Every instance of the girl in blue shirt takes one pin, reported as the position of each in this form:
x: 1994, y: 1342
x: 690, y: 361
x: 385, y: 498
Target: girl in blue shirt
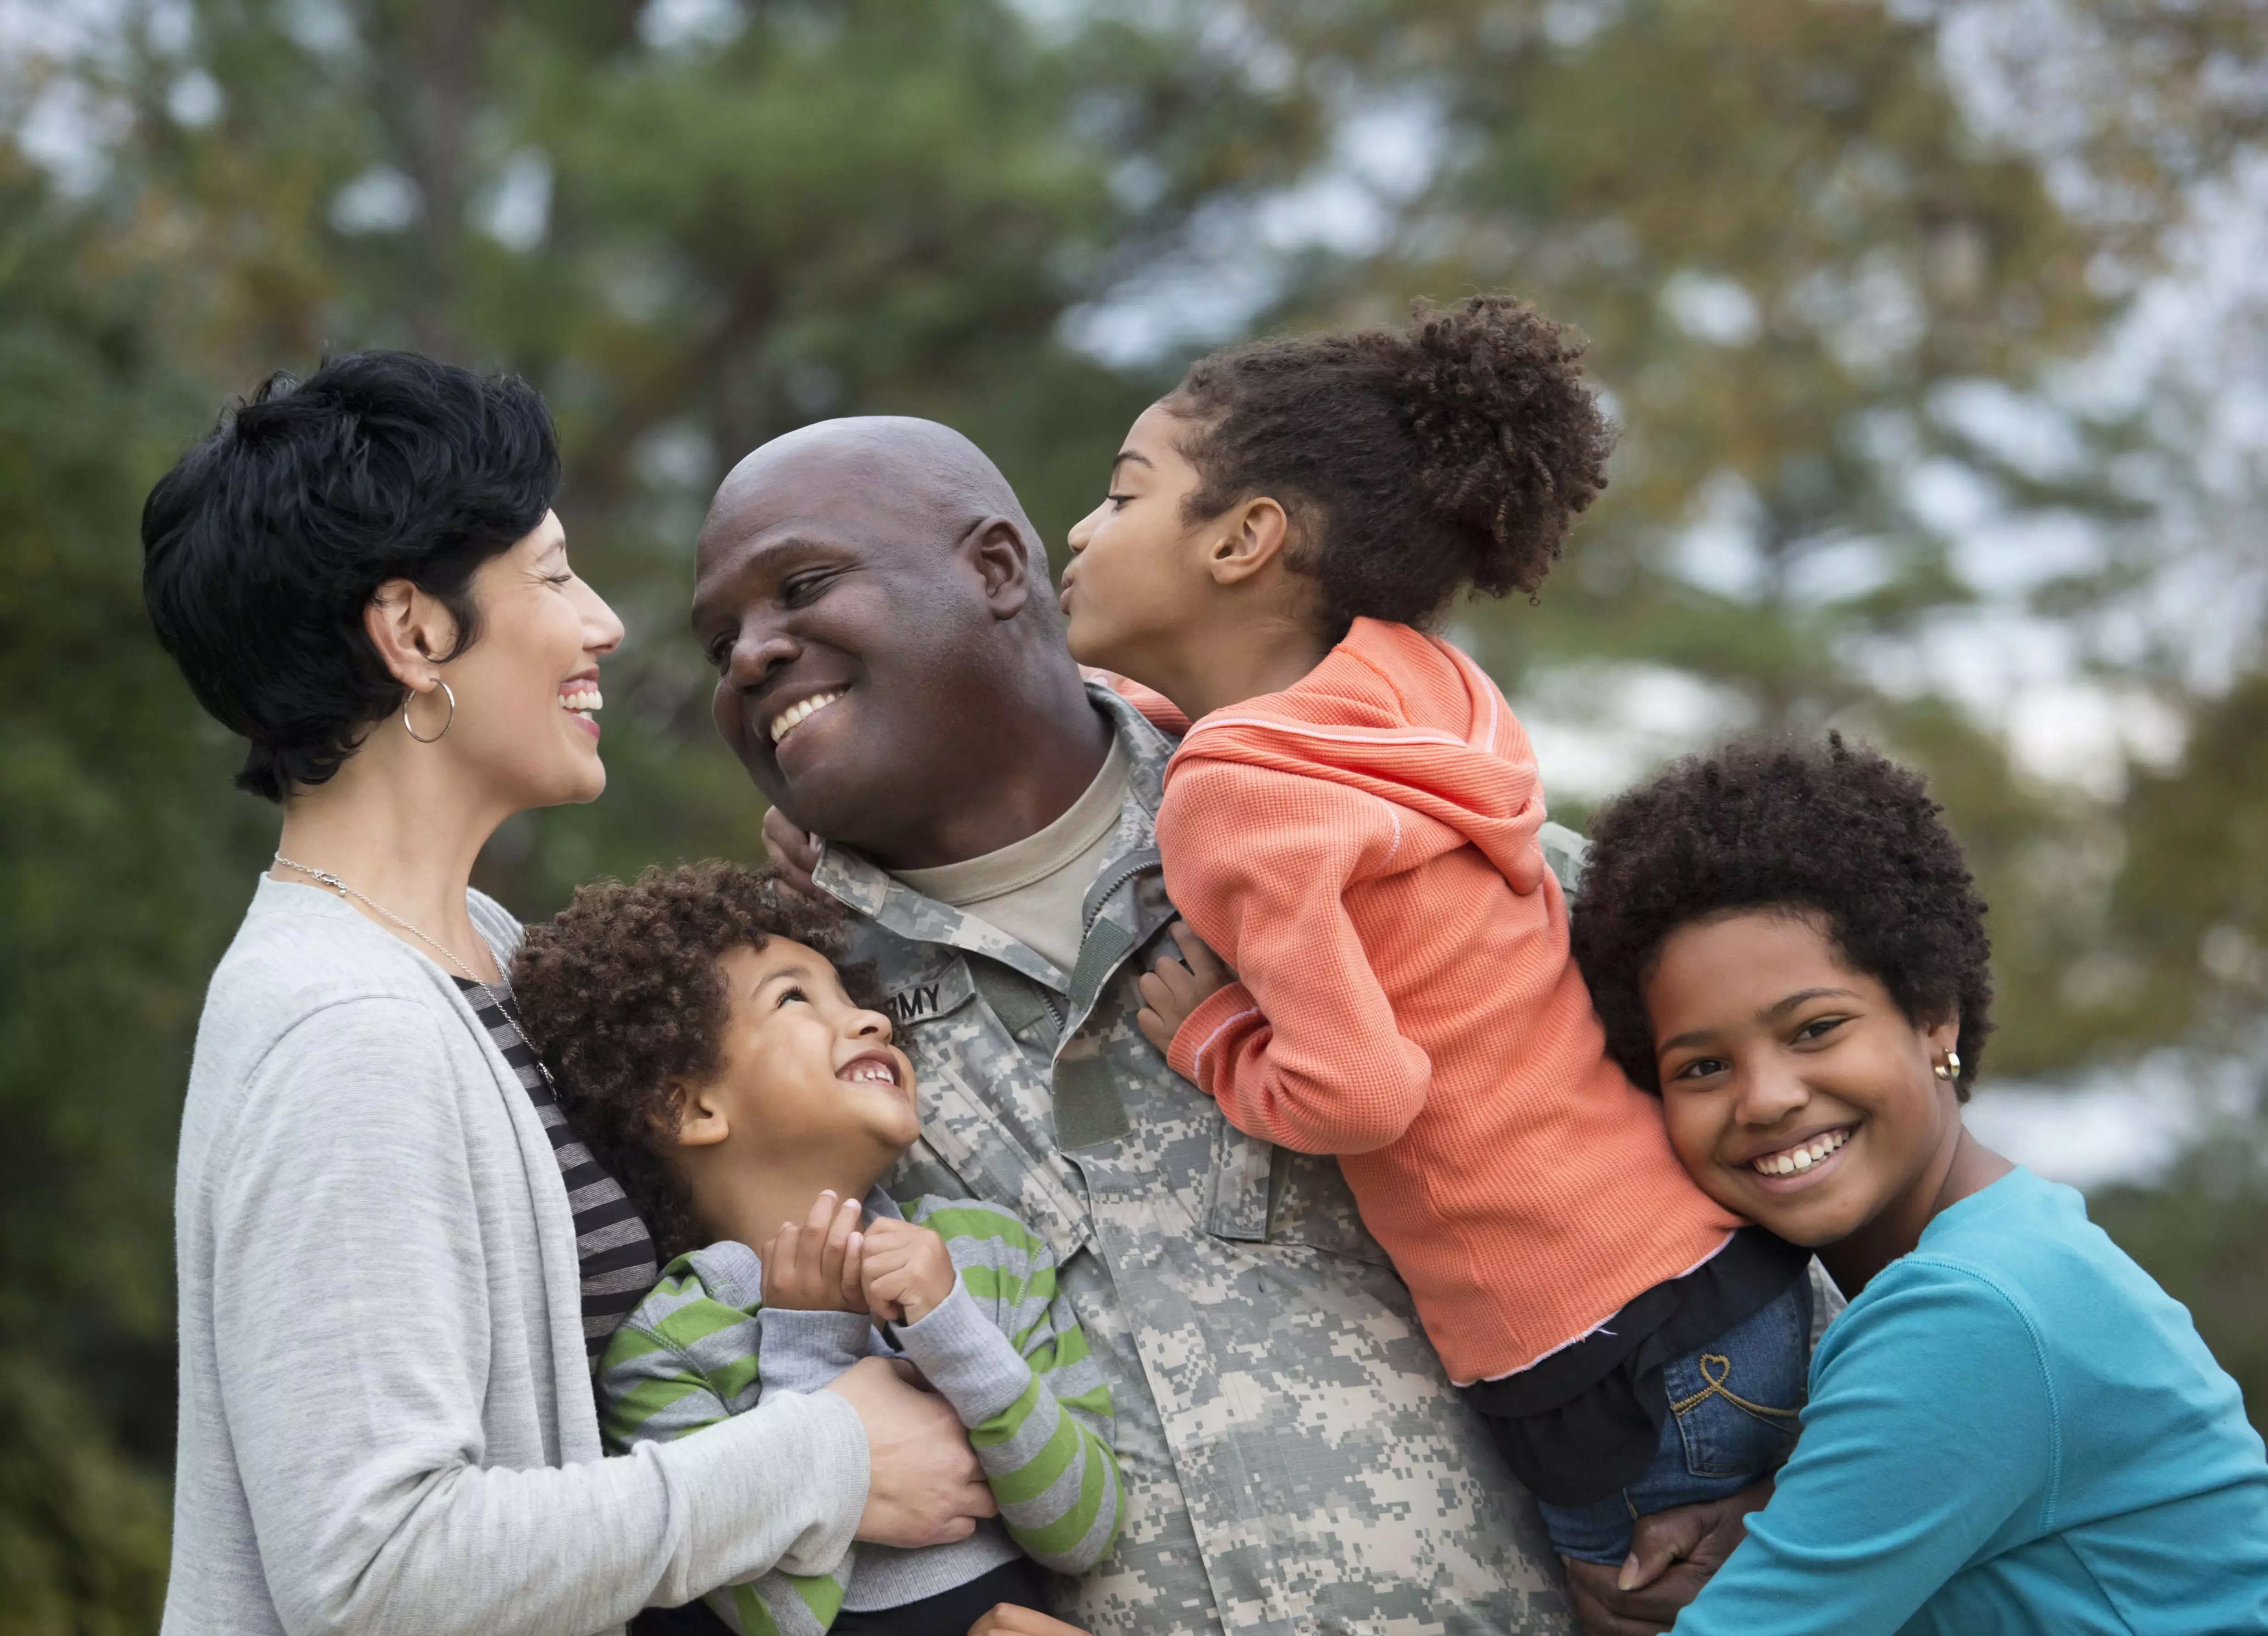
x: 2012, y: 1427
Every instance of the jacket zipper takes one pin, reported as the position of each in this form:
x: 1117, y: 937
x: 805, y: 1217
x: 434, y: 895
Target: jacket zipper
x: 1126, y: 872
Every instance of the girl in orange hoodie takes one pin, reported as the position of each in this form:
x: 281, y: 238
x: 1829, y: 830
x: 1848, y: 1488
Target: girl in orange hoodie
x: 1351, y: 823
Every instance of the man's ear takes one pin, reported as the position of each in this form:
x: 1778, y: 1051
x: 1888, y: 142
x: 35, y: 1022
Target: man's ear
x: 1246, y: 539
x: 410, y: 630
x: 1003, y: 564
x: 701, y: 1121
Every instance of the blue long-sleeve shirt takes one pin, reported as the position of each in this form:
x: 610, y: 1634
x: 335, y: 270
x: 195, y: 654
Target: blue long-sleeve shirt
x: 2012, y: 1429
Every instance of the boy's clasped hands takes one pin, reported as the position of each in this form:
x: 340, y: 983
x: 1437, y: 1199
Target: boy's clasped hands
x: 891, y: 1270
x: 897, y: 1273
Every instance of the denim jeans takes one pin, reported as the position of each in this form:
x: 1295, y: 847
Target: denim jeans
x: 1733, y: 1408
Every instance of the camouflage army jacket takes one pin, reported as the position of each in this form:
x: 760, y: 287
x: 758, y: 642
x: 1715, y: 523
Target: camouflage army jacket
x: 1295, y: 1459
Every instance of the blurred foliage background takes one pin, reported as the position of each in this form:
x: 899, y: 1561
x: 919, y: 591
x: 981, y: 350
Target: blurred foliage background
x: 1937, y: 333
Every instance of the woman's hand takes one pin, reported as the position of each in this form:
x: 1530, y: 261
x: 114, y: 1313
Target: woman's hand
x: 816, y: 1267
x: 1009, y: 1620
x: 794, y: 852
x: 925, y: 1487
x: 907, y: 1270
x: 1673, y: 1554
x: 1172, y: 988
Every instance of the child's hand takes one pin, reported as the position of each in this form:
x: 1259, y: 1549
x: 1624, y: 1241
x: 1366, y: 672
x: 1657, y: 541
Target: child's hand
x: 1007, y: 1620
x: 794, y: 852
x: 907, y: 1271
x: 1172, y: 990
x: 815, y: 1267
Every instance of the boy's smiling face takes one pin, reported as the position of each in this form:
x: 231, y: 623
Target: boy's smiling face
x: 1796, y: 1091
x: 806, y: 1077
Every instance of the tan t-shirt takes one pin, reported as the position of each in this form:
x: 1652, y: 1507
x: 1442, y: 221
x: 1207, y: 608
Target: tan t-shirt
x: 1036, y: 889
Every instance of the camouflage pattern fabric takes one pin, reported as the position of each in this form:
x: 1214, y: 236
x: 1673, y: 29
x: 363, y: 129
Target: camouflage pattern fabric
x: 1295, y: 1459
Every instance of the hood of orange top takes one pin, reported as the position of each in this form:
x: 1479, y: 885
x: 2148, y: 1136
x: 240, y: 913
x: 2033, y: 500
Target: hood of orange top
x: 1405, y: 717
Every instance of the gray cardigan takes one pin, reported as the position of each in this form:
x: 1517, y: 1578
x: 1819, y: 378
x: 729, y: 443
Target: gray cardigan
x: 386, y: 1420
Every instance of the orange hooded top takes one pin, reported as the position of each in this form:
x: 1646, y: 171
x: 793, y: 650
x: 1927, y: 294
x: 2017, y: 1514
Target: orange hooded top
x: 1361, y: 849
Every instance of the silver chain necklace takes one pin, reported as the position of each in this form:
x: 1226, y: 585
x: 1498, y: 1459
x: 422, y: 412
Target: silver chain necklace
x: 505, y: 1005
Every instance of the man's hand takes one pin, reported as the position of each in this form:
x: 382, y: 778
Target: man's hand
x: 1672, y: 1553
x: 794, y: 852
x: 815, y: 1267
x: 1008, y: 1620
x: 925, y: 1487
x: 908, y: 1272
x: 1172, y: 988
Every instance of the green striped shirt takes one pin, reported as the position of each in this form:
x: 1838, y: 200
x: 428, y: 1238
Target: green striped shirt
x: 1004, y: 1350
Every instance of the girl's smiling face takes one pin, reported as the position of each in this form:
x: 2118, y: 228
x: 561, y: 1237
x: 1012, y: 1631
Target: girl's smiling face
x: 1796, y: 1091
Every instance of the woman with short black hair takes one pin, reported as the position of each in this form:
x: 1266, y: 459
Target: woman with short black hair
x: 395, y: 1258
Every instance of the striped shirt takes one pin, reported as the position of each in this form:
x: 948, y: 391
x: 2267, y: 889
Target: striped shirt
x: 612, y: 1244
x: 1003, y: 1349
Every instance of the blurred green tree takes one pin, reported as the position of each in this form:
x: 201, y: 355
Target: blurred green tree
x: 1798, y: 264
x: 695, y: 228
x: 120, y: 876
x: 2187, y: 943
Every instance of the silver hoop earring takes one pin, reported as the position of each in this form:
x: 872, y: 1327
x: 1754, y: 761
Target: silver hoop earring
x: 1950, y: 1068
x: 445, y: 725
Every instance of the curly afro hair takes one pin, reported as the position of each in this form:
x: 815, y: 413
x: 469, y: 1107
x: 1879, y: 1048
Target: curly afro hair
x: 620, y: 996
x: 1455, y: 453
x: 1840, y: 833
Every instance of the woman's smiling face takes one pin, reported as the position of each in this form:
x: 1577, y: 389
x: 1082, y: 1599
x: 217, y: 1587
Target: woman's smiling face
x: 524, y: 721
x: 1795, y: 1090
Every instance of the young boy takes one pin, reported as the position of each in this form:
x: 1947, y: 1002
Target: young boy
x: 705, y: 1048
x: 1352, y: 822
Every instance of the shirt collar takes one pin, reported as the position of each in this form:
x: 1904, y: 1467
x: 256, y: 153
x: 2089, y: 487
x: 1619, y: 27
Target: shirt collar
x: 871, y: 892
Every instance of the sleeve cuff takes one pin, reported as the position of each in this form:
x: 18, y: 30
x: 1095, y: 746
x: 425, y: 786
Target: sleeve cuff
x: 841, y: 1469
x: 975, y: 1368
x: 782, y: 1486
x: 802, y: 1352
x: 1196, y: 1042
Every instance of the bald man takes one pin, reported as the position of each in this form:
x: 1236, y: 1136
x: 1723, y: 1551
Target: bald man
x: 891, y: 671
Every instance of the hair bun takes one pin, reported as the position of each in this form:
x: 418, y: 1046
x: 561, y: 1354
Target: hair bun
x: 1416, y: 462
x: 1512, y: 444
